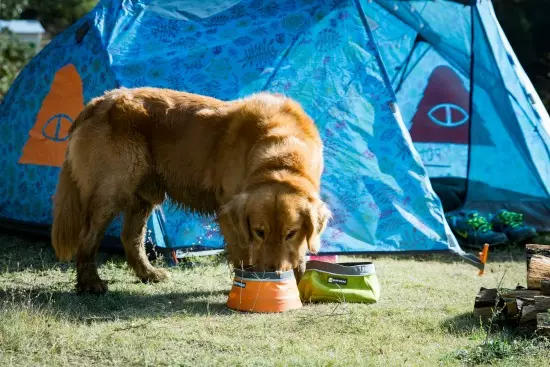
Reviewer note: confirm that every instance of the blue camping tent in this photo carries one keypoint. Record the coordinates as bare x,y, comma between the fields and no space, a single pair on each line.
472,113
350,63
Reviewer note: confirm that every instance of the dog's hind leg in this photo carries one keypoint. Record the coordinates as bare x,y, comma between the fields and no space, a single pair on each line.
100,211
133,237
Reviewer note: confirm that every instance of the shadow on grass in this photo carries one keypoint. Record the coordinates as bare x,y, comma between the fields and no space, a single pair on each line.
115,305
463,324
468,324
20,254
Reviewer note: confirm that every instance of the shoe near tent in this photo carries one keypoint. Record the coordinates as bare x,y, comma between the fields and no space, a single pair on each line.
337,58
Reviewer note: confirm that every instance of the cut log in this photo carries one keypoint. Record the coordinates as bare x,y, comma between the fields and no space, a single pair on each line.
542,303
545,287
486,297
516,321
543,323
485,313
512,309
485,306
527,295
528,314
539,270
519,304
534,249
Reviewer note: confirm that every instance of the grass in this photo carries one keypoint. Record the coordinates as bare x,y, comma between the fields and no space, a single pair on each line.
422,319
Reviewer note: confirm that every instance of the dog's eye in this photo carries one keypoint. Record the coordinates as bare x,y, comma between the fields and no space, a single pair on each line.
260,233
290,235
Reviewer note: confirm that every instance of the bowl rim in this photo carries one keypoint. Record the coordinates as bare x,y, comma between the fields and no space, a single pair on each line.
263,275
346,269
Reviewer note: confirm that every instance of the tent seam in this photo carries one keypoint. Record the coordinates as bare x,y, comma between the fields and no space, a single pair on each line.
379,60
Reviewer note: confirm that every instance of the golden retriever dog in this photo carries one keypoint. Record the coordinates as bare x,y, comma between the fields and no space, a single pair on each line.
255,163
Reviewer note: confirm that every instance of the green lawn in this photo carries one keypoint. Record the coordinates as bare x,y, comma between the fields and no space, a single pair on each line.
422,319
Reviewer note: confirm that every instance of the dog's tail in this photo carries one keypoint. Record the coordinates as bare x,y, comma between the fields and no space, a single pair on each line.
67,215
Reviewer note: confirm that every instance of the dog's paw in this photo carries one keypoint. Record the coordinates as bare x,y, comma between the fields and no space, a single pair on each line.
97,286
155,276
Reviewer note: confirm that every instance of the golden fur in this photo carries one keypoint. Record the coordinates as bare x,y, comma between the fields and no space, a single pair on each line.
255,162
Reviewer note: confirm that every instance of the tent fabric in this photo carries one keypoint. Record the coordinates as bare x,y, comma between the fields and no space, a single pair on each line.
321,53
350,63
30,116
48,139
472,113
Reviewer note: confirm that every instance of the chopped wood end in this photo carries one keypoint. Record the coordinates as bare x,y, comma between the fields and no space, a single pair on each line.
539,270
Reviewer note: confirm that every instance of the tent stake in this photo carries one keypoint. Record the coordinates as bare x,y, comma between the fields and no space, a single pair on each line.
483,258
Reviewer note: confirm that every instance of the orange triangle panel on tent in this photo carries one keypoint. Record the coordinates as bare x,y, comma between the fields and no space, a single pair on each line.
48,137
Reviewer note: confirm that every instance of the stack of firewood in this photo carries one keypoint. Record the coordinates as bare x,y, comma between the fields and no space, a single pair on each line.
525,308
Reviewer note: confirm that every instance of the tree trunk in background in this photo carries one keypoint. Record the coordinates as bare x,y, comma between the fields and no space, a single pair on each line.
527,27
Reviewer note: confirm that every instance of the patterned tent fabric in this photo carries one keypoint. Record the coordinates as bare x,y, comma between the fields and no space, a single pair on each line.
472,113
346,62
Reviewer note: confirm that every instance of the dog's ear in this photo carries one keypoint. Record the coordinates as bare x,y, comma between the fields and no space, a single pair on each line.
235,215
316,220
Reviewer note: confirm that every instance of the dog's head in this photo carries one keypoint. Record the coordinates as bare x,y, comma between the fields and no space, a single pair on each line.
275,224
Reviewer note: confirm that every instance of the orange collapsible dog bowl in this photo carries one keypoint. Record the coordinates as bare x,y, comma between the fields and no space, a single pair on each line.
264,292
